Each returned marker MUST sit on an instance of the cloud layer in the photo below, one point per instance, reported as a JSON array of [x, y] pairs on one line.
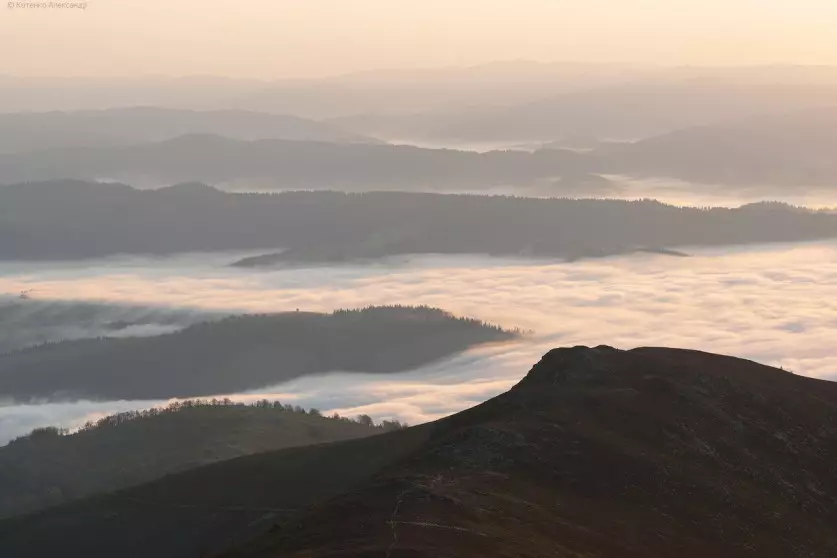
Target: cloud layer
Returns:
[[774, 304]]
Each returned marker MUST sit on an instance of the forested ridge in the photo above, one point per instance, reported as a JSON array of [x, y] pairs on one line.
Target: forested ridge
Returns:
[[241, 353], [71, 220]]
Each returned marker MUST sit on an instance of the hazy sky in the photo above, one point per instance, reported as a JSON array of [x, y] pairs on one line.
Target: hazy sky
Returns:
[[275, 38]]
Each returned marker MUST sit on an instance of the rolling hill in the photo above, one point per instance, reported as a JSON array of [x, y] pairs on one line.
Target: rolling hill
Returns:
[[49, 467], [240, 353], [596, 452], [635, 108], [281, 164], [793, 150], [39, 131]]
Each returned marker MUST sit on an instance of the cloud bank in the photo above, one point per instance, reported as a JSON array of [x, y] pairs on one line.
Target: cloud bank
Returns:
[[773, 304]]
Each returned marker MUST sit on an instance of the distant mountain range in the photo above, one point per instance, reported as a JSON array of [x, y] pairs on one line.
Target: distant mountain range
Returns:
[[631, 110], [596, 452], [39, 131], [375, 91], [275, 164], [50, 466], [73, 220], [772, 150], [240, 353], [793, 150]]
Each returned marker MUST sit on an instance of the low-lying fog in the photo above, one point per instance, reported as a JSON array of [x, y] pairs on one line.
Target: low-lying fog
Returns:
[[774, 304]]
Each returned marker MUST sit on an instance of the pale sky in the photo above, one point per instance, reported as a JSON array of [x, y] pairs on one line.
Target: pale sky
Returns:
[[284, 38]]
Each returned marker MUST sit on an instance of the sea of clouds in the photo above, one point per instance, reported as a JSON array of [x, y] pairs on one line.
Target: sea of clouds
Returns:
[[774, 304]]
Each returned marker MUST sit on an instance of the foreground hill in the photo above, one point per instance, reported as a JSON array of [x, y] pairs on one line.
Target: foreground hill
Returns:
[[240, 353], [596, 452], [68, 220], [48, 466], [37, 131]]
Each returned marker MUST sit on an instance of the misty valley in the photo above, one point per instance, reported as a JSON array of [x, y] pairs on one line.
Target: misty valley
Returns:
[[473, 311]]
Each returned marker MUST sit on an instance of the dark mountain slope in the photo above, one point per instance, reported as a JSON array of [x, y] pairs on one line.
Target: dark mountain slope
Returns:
[[241, 353], [47, 467], [197, 513], [597, 452]]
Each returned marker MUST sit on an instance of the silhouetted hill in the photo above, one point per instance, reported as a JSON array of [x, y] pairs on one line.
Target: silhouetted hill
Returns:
[[69, 220], [596, 452], [240, 353], [282, 164], [794, 150], [39, 131], [49, 466], [636, 108], [767, 150]]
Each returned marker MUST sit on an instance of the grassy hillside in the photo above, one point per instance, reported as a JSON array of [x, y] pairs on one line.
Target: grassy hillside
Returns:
[[51, 466], [241, 353]]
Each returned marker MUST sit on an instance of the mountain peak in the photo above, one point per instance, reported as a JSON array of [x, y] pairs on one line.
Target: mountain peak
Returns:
[[568, 364]]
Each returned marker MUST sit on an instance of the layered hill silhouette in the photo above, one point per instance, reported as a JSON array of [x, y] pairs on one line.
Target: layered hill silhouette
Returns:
[[635, 108], [72, 220], [596, 452], [37, 131], [281, 164], [792, 150], [240, 150], [50, 466], [240, 353]]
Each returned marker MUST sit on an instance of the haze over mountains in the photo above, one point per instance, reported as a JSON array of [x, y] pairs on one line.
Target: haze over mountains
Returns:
[[596, 452], [629, 111], [38, 131], [240, 150], [168, 238], [793, 150], [376, 91]]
